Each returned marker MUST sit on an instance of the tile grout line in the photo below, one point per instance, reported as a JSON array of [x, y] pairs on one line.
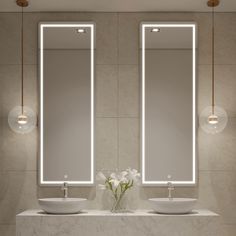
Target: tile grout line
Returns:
[[121, 117], [32, 171], [118, 93], [118, 12], [18, 171], [1, 224], [121, 64]]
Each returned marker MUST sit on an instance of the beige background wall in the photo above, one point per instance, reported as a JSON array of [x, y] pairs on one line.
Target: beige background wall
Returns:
[[117, 112]]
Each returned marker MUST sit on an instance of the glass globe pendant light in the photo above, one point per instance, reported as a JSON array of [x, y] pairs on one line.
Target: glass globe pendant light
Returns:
[[213, 119], [22, 119]]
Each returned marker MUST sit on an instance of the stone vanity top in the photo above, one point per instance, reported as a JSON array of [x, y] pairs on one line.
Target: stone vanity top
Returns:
[[201, 212], [105, 223]]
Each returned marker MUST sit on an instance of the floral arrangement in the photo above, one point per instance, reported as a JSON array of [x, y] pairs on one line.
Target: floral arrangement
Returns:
[[118, 184]]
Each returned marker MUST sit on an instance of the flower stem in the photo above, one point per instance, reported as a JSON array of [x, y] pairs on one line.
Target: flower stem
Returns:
[[118, 199]]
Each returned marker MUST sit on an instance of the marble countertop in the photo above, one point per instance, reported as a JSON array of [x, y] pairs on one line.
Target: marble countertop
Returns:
[[100, 223], [40, 213]]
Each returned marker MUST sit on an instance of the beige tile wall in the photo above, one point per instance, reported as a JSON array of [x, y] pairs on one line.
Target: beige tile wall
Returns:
[[117, 111]]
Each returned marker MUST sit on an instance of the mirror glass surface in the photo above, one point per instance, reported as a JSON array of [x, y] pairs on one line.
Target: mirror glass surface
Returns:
[[168, 103], [66, 103]]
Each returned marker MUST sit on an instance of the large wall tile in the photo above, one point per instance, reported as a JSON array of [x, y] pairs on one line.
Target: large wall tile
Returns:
[[17, 151], [106, 91], [105, 37], [225, 86], [7, 230], [10, 38], [217, 152], [225, 47], [129, 91], [106, 151], [31, 87], [129, 143], [217, 192], [17, 193], [10, 88], [228, 230], [128, 38], [203, 21], [203, 87]]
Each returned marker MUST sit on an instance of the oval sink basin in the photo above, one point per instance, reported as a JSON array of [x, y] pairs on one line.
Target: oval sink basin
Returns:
[[62, 205], [173, 206]]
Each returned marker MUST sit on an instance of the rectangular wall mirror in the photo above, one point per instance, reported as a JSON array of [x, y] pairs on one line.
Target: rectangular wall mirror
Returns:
[[168, 116], [66, 103]]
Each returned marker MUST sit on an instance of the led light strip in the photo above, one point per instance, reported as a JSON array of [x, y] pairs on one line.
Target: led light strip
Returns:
[[49, 25], [168, 25]]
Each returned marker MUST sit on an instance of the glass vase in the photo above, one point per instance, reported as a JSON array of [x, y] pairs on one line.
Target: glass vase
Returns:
[[118, 204]]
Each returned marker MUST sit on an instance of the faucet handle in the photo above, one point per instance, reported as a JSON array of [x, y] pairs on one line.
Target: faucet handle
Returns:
[[170, 189], [64, 188], [170, 185], [64, 185]]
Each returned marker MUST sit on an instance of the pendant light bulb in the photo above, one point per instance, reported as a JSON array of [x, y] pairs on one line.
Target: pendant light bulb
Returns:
[[22, 119], [213, 119], [213, 123]]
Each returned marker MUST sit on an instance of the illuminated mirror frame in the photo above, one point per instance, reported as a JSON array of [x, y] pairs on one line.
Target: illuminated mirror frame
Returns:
[[160, 25], [42, 26]]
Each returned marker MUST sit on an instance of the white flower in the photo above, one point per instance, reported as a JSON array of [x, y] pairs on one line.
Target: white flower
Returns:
[[122, 177], [115, 182], [133, 175], [122, 180], [114, 179], [101, 176], [113, 176], [123, 174], [119, 177]]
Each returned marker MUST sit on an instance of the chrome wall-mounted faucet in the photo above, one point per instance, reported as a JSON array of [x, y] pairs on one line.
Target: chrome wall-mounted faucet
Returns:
[[170, 189], [65, 189]]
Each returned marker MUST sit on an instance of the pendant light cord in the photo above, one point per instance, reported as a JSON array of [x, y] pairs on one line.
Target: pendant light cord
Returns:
[[22, 58], [213, 61]]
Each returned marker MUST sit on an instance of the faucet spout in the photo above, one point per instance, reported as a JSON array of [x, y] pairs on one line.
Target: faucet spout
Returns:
[[170, 189], [65, 189]]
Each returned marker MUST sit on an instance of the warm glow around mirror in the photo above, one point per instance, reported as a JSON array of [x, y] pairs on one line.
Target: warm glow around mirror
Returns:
[[168, 101], [66, 103]]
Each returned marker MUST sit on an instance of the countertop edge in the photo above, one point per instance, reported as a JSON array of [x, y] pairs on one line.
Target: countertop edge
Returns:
[[140, 212]]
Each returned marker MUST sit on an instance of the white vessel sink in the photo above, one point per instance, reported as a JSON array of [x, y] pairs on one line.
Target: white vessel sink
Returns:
[[62, 205], [173, 205]]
